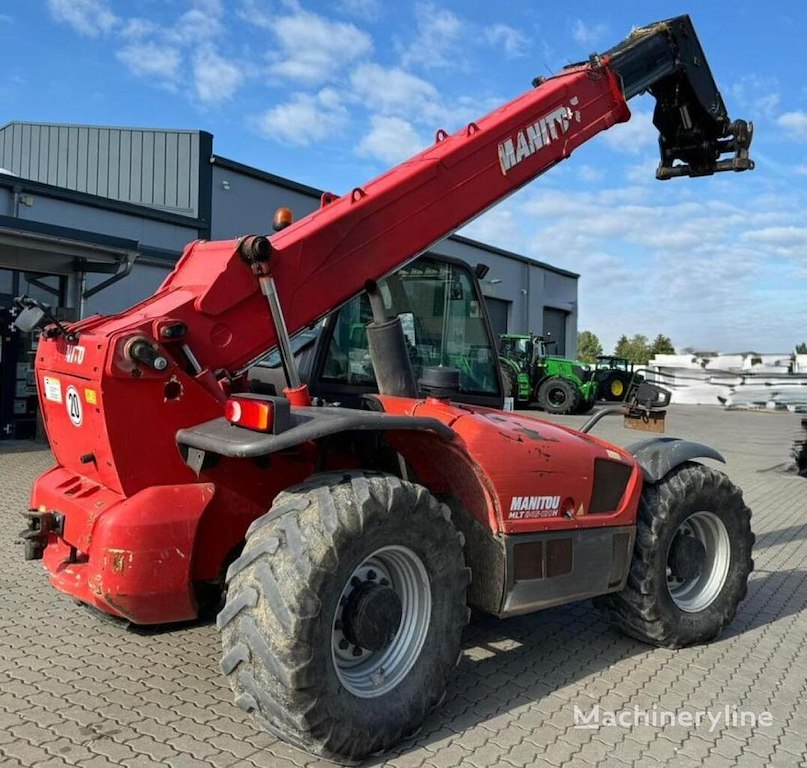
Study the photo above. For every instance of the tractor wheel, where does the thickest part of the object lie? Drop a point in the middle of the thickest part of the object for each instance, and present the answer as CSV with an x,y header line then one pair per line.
x,y
614,387
344,613
557,395
510,385
691,560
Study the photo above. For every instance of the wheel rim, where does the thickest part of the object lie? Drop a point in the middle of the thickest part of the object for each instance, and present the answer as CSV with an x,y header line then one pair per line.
x,y
373,673
695,592
617,388
556,396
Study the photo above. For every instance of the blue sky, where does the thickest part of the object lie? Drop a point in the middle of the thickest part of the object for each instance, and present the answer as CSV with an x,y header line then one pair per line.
x,y
332,94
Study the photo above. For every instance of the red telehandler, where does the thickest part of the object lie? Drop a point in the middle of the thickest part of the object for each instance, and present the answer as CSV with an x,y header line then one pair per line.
x,y
348,542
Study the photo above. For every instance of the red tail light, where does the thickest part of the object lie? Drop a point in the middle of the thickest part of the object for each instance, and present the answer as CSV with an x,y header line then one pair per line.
x,y
250,413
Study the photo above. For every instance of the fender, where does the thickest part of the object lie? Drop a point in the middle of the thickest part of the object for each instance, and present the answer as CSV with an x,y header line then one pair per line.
x,y
658,455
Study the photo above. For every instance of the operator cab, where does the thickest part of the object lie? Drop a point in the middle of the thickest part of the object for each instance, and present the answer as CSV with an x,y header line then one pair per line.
x,y
445,323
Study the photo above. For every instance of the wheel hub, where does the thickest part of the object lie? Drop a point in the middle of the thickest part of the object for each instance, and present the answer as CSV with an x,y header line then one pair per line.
x,y
698,561
372,616
687,557
381,621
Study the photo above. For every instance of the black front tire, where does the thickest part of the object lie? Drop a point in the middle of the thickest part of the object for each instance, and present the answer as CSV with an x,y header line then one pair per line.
x,y
559,396
646,608
284,592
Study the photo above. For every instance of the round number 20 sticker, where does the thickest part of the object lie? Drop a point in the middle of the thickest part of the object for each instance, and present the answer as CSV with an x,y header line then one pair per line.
x,y
73,405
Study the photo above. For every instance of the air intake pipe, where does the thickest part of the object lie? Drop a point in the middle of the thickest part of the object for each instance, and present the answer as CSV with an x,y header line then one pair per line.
x,y
388,349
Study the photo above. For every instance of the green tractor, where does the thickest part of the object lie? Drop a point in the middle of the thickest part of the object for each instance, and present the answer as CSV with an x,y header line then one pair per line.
x,y
615,376
531,374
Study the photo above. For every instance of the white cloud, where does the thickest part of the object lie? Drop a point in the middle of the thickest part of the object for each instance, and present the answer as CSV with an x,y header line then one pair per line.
x,y
391,140
681,258
643,173
393,91
6,19
440,40
513,42
216,79
758,93
588,35
787,241
256,12
313,48
635,136
305,118
137,28
590,174
500,225
199,24
801,170
152,61
794,124
367,10
87,17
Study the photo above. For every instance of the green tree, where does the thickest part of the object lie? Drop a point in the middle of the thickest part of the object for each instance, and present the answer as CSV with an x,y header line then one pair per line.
x,y
622,348
588,346
662,345
636,350
801,349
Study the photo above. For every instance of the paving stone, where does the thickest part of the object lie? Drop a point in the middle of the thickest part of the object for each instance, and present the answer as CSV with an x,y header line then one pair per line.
x,y
117,697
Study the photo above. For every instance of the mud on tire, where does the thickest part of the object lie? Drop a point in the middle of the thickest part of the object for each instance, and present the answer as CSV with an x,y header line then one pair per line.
x,y
284,592
646,608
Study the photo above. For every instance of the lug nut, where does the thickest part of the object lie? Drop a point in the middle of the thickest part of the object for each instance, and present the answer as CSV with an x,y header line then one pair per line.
x,y
357,651
371,575
355,581
343,644
384,583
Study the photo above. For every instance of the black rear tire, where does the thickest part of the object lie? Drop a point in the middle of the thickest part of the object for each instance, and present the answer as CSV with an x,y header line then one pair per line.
x,y
559,396
510,385
614,387
646,608
287,596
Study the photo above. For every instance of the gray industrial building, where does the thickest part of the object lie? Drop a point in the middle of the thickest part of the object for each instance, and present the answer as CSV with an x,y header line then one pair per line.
x,y
93,218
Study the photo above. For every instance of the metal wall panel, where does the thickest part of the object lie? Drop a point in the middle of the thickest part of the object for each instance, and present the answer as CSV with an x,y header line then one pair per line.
x,y
157,168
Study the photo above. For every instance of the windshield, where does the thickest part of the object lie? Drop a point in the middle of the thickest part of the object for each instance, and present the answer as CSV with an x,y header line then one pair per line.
x,y
442,320
299,341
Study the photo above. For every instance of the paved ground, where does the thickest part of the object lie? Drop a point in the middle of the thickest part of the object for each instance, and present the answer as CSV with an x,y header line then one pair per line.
x,y
75,690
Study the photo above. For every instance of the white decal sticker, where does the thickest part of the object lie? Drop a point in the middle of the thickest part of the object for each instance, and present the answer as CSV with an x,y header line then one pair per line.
x,y
73,405
543,132
53,389
523,507
74,354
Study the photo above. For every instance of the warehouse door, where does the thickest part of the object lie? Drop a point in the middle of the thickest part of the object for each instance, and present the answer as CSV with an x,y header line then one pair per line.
x,y
555,326
498,309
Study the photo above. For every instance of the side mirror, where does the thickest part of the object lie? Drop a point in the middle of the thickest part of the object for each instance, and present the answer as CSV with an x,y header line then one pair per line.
x,y
652,396
29,319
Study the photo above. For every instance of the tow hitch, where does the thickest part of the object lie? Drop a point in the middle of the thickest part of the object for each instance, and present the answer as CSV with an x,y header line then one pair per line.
x,y
35,535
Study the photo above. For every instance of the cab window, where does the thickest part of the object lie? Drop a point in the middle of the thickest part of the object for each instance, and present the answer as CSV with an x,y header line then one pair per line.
x,y
442,320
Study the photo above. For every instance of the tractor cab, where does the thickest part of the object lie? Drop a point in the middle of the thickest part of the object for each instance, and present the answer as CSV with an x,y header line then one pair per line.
x,y
613,363
445,324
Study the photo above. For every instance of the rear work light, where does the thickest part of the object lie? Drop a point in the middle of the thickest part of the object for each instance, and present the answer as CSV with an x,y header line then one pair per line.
x,y
250,413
